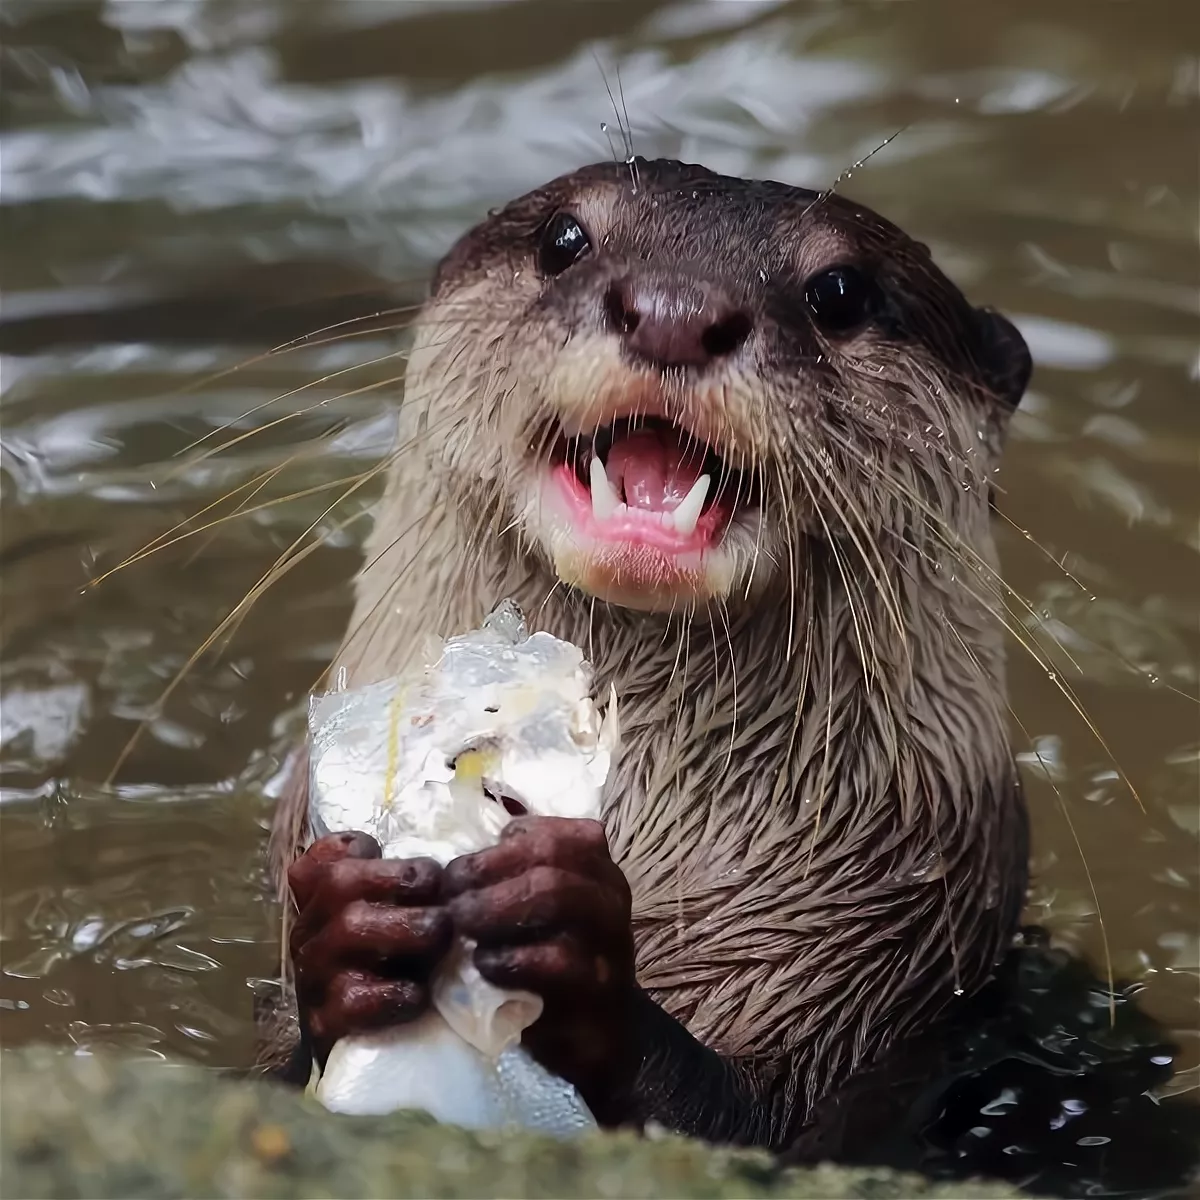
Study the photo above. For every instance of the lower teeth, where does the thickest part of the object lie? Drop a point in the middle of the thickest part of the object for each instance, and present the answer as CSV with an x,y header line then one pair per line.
x,y
606,504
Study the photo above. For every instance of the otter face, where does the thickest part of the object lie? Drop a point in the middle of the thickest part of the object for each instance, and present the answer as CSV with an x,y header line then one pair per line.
x,y
669,383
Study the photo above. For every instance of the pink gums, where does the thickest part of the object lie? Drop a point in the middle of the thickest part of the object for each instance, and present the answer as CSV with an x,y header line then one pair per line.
x,y
637,526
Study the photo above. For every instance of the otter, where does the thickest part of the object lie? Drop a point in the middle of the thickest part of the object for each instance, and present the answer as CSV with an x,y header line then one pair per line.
x,y
736,439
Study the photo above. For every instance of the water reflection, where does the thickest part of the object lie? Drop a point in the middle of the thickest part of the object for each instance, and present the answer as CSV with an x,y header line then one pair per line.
x,y
188,184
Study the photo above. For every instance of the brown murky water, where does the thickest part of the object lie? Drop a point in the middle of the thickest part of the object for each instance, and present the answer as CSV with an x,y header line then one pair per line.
x,y
284,166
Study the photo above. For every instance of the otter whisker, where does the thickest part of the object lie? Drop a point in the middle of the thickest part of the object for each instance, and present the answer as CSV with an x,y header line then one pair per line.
x,y
802,697
241,508
240,511
282,565
733,718
823,786
284,396
1070,822
387,464
677,758
163,540
628,123
542,607
1044,551
869,554
790,540
955,543
764,516
357,628
149,547
623,126
205,455
1055,677
845,174
869,663
855,516
299,343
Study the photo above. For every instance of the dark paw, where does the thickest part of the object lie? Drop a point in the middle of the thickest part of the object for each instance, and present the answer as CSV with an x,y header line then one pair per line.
x,y
367,935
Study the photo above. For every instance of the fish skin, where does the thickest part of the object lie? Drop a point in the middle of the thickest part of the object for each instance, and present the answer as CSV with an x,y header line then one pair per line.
x,y
424,764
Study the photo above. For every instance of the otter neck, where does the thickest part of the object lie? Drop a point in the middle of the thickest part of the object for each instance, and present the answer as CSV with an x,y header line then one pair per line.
x,y
800,785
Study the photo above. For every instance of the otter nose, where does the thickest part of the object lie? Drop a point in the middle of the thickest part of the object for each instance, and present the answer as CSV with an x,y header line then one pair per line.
x,y
674,322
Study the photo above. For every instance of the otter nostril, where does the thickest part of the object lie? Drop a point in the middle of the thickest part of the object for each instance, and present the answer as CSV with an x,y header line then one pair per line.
x,y
674,321
622,316
724,337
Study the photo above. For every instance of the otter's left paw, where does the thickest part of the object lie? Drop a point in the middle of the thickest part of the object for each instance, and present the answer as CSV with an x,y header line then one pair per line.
x,y
550,912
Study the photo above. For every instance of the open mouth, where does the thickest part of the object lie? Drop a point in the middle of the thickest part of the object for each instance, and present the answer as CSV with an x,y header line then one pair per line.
x,y
646,482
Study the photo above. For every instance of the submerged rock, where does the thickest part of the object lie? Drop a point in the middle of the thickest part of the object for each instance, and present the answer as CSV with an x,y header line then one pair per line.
x,y
97,1127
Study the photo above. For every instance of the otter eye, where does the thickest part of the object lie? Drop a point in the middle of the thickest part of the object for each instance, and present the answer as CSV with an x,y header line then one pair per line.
x,y
840,299
563,243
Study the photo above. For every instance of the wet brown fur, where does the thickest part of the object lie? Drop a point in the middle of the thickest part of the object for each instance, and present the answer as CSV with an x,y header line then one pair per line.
x,y
816,806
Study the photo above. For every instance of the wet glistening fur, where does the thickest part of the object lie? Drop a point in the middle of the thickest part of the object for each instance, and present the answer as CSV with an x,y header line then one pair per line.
x,y
816,806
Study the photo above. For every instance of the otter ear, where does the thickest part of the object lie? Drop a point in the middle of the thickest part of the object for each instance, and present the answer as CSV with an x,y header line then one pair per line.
x,y
1007,362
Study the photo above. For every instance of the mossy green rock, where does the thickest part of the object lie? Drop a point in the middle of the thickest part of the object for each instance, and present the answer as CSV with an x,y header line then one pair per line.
x,y
99,1127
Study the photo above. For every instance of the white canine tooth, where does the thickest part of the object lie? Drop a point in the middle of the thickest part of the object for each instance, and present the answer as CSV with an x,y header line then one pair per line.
x,y
604,498
688,512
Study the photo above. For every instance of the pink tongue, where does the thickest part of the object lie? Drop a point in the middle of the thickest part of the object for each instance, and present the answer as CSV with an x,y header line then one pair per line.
x,y
652,473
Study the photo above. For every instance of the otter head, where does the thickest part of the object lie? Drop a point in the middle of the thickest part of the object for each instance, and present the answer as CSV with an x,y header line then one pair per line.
x,y
673,386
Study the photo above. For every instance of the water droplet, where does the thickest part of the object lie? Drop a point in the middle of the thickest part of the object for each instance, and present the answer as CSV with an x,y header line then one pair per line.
x,y
1152,677
1052,676
996,1108
603,126
960,991
762,275
927,870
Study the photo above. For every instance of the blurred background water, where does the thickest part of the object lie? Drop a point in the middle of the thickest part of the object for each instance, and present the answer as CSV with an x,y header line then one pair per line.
x,y
188,183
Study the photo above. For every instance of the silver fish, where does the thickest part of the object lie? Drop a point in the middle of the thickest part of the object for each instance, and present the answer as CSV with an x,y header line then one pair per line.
x,y
435,763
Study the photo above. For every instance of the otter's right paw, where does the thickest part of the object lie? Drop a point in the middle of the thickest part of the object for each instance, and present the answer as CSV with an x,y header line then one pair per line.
x,y
368,933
